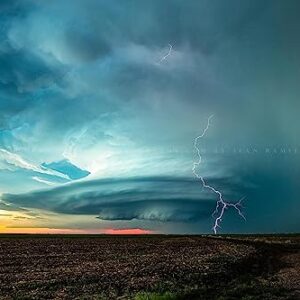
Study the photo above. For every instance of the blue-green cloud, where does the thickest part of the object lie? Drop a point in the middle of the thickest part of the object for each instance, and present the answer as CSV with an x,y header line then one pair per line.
x,y
82,81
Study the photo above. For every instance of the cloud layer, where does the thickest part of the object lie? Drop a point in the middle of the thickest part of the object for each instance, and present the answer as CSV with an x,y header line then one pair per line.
x,y
82,82
151,198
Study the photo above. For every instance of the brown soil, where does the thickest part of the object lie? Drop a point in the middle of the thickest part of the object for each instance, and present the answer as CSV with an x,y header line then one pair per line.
x,y
39,267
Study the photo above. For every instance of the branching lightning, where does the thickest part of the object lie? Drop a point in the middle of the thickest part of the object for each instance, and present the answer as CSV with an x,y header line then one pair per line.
x,y
168,54
221,204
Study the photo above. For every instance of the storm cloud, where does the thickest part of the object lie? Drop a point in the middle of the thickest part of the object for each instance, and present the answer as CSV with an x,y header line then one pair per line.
x,y
149,198
83,82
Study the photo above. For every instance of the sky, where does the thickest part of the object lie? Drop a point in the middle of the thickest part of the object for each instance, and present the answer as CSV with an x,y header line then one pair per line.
x,y
100,103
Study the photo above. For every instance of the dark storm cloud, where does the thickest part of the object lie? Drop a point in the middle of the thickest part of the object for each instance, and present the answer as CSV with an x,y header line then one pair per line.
x,y
172,210
149,198
93,55
81,80
21,73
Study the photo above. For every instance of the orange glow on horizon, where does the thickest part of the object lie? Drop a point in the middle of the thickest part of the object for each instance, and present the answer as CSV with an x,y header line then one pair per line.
x,y
38,230
128,231
45,230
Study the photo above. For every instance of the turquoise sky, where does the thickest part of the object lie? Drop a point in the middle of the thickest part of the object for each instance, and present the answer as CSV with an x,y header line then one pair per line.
x,y
97,129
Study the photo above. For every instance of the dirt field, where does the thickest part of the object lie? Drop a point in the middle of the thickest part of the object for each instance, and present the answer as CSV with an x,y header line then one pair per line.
x,y
149,267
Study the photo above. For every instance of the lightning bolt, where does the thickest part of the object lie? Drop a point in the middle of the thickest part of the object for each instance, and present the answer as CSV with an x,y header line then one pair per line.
x,y
168,54
221,204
